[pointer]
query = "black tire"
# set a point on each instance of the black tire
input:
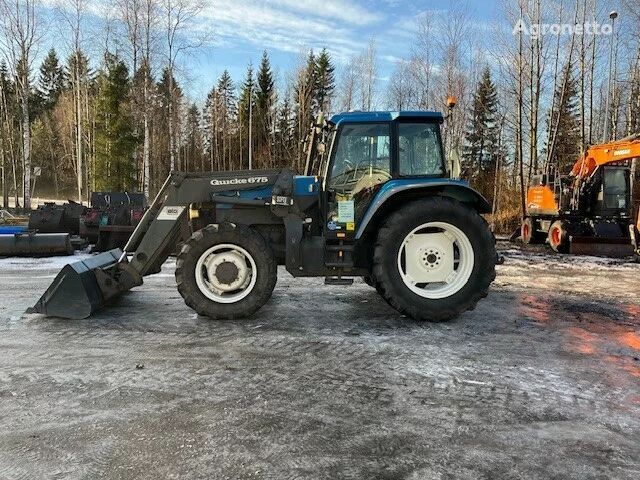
(208, 237)
(391, 237)
(529, 234)
(558, 237)
(372, 282)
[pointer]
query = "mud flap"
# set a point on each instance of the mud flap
(85, 286)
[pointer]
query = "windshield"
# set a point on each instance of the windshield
(362, 158)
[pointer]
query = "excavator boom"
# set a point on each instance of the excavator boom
(607, 153)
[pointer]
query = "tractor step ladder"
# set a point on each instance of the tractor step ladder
(343, 263)
(338, 281)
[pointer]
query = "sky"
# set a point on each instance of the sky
(238, 31)
(242, 29)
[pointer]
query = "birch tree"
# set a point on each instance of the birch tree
(368, 76)
(73, 13)
(178, 20)
(20, 39)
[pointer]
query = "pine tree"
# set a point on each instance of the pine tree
(481, 138)
(265, 101)
(566, 116)
(245, 113)
(226, 108)
(115, 141)
(285, 148)
(325, 81)
(164, 96)
(52, 80)
(210, 128)
(192, 149)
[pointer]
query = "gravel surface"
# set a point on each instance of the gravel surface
(542, 380)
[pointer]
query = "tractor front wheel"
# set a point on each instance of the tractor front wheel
(434, 259)
(226, 271)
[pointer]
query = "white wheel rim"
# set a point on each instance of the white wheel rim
(220, 290)
(435, 260)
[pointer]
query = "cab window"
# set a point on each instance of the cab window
(362, 159)
(419, 149)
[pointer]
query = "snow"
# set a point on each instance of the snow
(53, 263)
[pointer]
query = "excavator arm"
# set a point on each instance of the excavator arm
(606, 153)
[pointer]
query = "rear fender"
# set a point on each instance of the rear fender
(397, 192)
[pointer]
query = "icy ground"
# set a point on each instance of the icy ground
(541, 380)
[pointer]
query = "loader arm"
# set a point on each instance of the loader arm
(83, 287)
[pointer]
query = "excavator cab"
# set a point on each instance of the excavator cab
(615, 193)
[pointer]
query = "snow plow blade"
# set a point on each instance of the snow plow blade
(602, 247)
(83, 287)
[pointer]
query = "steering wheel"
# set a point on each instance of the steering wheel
(376, 177)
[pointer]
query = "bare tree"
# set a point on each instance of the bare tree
(179, 16)
(4, 141)
(455, 67)
(368, 75)
(149, 23)
(401, 91)
(141, 19)
(20, 28)
(349, 85)
(73, 12)
(566, 78)
(422, 61)
(536, 72)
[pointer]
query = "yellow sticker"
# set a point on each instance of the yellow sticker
(351, 226)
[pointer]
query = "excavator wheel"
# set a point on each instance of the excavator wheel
(226, 271)
(528, 232)
(559, 237)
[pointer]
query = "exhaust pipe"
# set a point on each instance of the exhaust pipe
(81, 288)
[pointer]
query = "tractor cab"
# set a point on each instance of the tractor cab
(356, 154)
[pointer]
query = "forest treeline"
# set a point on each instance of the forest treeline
(121, 117)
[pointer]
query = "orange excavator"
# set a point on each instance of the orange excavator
(591, 210)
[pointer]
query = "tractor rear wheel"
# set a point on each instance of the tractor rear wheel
(530, 235)
(226, 271)
(559, 237)
(372, 282)
(434, 259)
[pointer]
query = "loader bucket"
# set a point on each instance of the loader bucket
(77, 291)
(602, 247)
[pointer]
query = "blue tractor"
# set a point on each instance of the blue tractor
(376, 201)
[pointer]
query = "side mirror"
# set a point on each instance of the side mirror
(453, 164)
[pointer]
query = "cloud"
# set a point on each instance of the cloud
(337, 10)
(286, 29)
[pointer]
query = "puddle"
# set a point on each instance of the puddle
(606, 331)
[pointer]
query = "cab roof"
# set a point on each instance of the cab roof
(357, 117)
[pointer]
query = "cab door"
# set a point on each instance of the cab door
(360, 164)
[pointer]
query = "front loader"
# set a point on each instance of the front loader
(375, 201)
